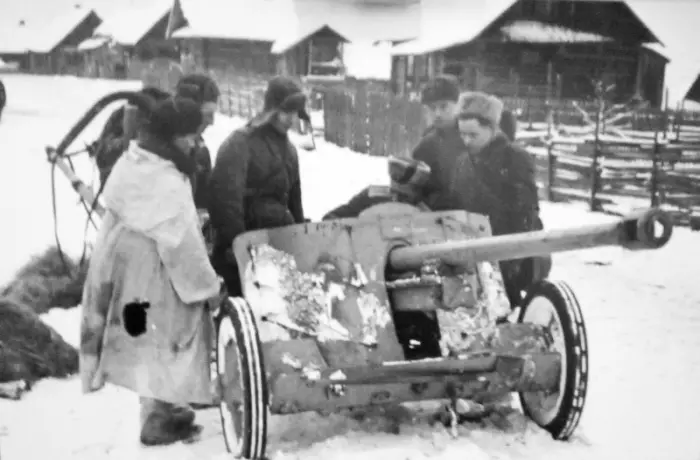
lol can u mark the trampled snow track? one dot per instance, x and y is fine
(642, 311)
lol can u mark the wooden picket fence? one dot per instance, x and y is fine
(372, 123)
(607, 173)
(653, 166)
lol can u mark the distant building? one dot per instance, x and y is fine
(302, 38)
(38, 42)
(125, 36)
(534, 48)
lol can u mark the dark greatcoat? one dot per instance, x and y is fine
(499, 182)
(255, 184)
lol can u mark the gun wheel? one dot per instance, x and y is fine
(554, 306)
(241, 373)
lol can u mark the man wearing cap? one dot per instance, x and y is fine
(441, 143)
(496, 178)
(407, 176)
(255, 182)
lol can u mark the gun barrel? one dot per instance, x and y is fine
(647, 229)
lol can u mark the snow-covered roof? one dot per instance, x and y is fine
(363, 21)
(676, 25)
(261, 20)
(40, 33)
(291, 20)
(448, 23)
(539, 32)
(283, 44)
(127, 26)
(92, 43)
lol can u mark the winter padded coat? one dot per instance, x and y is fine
(255, 184)
(499, 182)
(439, 149)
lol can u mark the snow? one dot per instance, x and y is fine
(641, 310)
(366, 60)
(41, 32)
(127, 26)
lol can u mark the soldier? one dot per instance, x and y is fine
(408, 177)
(149, 248)
(441, 143)
(204, 91)
(496, 178)
(255, 182)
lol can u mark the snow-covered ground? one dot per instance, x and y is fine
(642, 311)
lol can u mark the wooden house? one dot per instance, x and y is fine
(303, 38)
(260, 38)
(140, 31)
(127, 36)
(39, 42)
(676, 25)
(535, 48)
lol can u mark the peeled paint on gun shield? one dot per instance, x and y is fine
(299, 301)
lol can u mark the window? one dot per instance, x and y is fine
(529, 57)
(325, 56)
(421, 66)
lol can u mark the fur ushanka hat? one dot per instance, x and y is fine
(198, 87)
(285, 95)
(174, 117)
(484, 107)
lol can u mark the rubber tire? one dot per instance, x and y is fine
(253, 443)
(568, 310)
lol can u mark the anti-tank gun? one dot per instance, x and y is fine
(323, 323)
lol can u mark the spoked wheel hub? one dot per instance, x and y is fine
(554, 306)
(229, 369)
(241, 375)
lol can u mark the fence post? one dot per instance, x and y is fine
(679, 119)
(665, 116)
(655, 171)
(596, 152)
(551, 170)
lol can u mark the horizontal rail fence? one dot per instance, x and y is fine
(608, 173)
